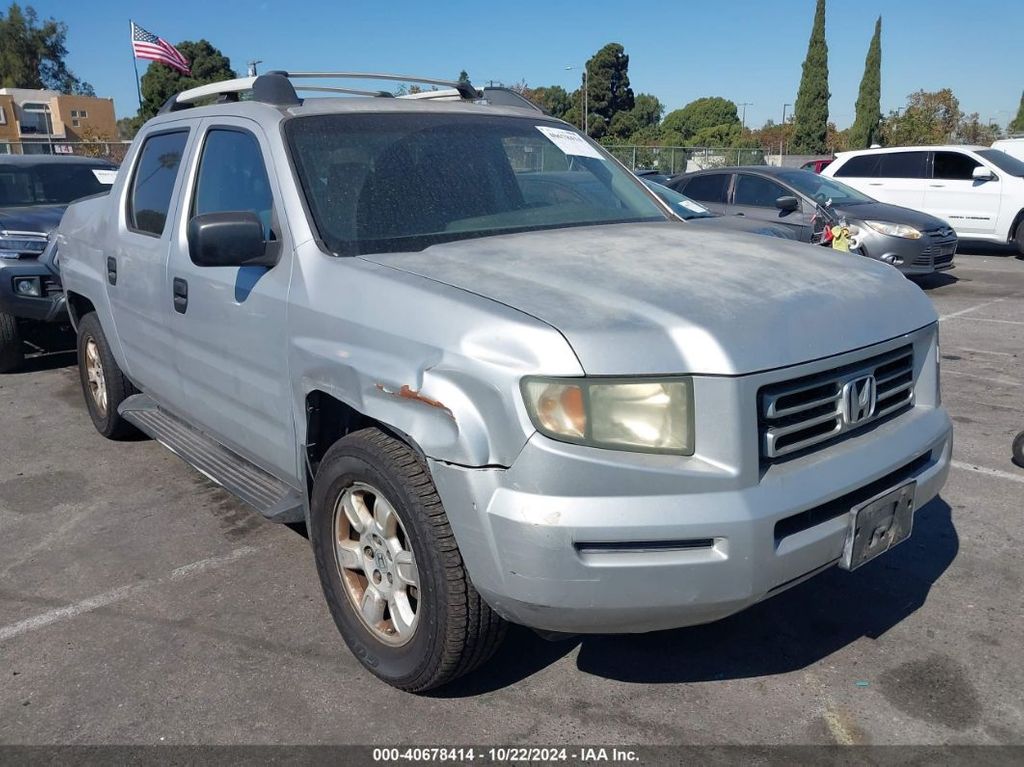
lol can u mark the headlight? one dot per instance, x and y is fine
(895, 230)
(28, 286)
(644, 415)
(15, 244)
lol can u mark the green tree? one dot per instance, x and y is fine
(971, 130)
(864, 131)
(464, 76)
(810, 122)
(930, 117)
(32, 53)
(160, 82)
(1017, 125)
(608, 88)
(645, 114)
(708, 117)
(553, 99)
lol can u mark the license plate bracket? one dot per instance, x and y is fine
(879, 524)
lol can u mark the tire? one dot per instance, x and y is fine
(12, 351)
(1018, 450)
(1019, 238)
(453, 630)
(104, 386)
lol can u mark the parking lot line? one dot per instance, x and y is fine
(986, 470)
(118, 594)
(971, 309)
(987, 319)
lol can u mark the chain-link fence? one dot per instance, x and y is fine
(110, 150)
(681, 159)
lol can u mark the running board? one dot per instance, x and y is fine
(250, 484)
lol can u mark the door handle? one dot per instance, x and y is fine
(111, 270)
(875, 183)
(180, 295)
(942, 186)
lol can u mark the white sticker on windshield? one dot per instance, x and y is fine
(569, 142)
(104, 175)
(691, 205)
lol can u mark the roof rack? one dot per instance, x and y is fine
(277, 88)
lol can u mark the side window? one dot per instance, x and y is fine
(902, 165)
(233, 176)
(149, 198)
(758, 191)
(712, 187)
(861, 166)
(954, 166)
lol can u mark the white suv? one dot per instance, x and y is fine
(978, 190)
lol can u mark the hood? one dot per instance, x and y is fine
(739, 224)
(660, 298)
(36, 218)
(894, 214)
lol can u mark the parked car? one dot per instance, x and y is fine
(575, 415)
(978, 190)
(805, 202)
(697, 215)
(818, 165)
(34, 190)
(657, 176)
(1013, 146)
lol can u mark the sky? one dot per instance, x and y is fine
(743, 50)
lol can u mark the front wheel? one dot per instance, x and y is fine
(390, 568)
(12, 351)
(1018, 450)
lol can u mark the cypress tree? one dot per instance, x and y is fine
(810, 116)
(864, 131)
(1017, 126)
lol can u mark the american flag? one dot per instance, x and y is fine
(146, 45)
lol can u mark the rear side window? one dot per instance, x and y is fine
(710, 188)
(150, 197)
(233, 176)
(757, 191)
(902, 165)
(954, 166)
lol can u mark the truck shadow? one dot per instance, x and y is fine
(786, 633)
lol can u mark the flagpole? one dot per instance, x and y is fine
(135, 63)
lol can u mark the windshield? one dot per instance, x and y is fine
(52, 183)
(821, 189)
(680, 204)
(379, 183)
(1003, 161)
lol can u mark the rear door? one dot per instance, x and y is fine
(899, 178)
(230, 331)
(754, 196)
(135, 265)
(709, 189)
(970, 206)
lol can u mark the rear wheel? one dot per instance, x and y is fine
(390, 568)
(12, 350)
(1018, 450)
(104, 385)
(1019, 237)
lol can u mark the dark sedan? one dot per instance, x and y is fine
(697, 215)
(806, 203)
(34, 190)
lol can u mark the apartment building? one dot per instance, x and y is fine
(48, 122)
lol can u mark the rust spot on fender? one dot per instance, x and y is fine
(407, 392)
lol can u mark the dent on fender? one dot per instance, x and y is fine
(407, 392)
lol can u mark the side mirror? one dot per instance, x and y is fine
(981, 173)
(787, 204)
(233, 238)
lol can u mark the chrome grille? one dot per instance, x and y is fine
(806, 412)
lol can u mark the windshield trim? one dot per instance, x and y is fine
(288, 140)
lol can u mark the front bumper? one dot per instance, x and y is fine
(49, 307)
(922, 256)
(581, 540)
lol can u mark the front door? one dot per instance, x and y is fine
(229, 322)
(969, 205)
(755, 197)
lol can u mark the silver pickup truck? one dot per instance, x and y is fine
(489, 396)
